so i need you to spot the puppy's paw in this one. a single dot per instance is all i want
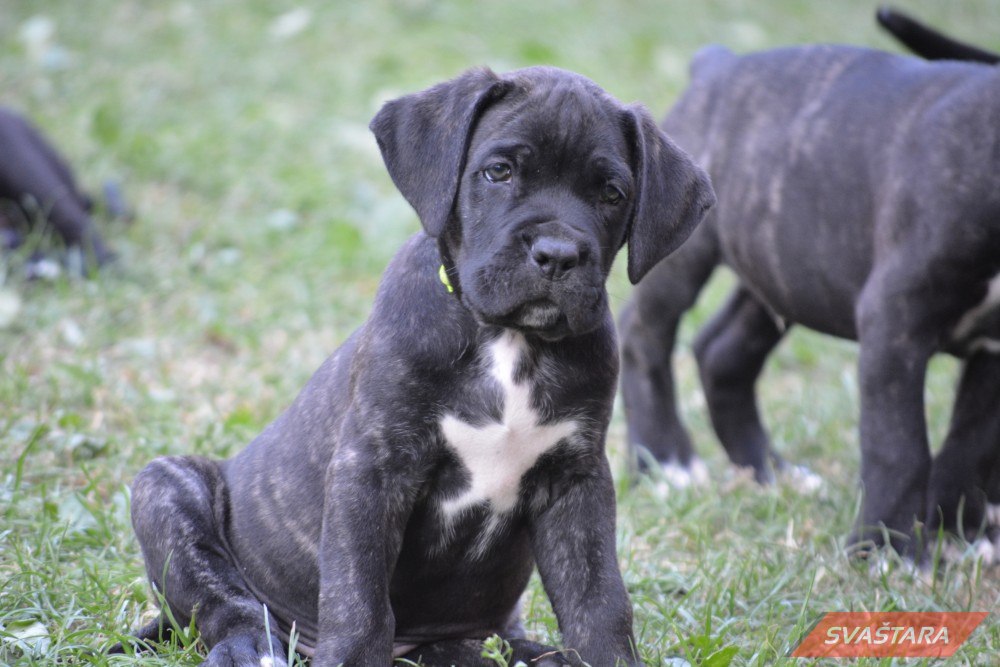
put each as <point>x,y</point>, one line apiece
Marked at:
<point>555,659</point>
<point>992,514</point>
<point>800,478</point>
<point>674,475</point>
<point>533,654</point>
<point>985,549</point>
<point>247,651</point>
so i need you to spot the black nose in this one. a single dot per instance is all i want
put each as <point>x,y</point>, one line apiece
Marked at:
<point>554,257</point>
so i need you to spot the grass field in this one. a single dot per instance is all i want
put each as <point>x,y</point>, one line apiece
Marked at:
<point>264,219</point>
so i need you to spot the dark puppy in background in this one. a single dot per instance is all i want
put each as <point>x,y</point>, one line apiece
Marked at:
<point>456,440</point>
<point>858,196</point>
<point>37,186</point>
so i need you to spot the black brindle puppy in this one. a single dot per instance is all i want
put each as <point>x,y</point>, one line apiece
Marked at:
<point>457,438</point>
<point>858,196</point>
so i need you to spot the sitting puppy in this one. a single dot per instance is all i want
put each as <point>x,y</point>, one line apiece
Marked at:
<point>857,196</point>
<point>36,182</point>
<point>457,438</point>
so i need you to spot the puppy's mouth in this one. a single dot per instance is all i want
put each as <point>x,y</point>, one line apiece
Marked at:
<point>540,317</point>
<point>540,314</point>
<point>546,309</point>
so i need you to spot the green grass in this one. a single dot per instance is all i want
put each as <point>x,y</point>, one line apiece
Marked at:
<point>264,218</point>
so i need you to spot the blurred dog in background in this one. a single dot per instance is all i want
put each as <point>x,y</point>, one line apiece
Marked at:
<point>858,196</point>
<point>38,189</point>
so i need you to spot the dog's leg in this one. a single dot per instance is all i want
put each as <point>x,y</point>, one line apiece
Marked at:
<point>469,653</point>
<point>649,331</point>
<point>897,336</point>
<point>578,565</point>
<point>179,506</point>
<point>731,351</point>
<point>961,470</point>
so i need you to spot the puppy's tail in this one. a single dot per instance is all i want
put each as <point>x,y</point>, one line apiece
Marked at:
<point>927,42</point>
<point>158,630</point>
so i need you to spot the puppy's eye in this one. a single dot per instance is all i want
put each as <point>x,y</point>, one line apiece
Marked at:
<point>611,194</point>
<point>498,172</point>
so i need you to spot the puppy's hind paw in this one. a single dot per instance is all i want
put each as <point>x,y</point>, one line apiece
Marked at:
<point>247,651</point>
<point>554,659</point>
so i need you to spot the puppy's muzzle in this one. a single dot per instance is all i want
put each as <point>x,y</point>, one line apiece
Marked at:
<point>556,257</point>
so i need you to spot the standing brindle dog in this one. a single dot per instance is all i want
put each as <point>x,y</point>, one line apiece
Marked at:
<point>859,195</point>
<point>457,438</point>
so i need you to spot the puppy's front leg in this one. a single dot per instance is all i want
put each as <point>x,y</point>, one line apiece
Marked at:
<point>365,513</point>
<point>574,546</point>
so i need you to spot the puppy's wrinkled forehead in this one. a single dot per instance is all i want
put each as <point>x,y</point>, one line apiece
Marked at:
<point>559,113</point>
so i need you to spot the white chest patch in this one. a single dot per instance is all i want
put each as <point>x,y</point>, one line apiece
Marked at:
<point>498,454</point>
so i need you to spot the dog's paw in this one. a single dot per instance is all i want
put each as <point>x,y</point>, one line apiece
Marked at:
<point>982,549</point>
<point>674,475</point>
<point>992,514</point>
<point>800,478</point>
<point>247,651</point>
<point>556,659</point>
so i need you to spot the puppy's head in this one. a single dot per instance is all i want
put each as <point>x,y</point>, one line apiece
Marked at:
<point>531,182</point>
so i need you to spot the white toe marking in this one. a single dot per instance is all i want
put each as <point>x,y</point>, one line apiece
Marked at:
<point>681,476</point>
<point>675,475</point>
<point>982,549</point>
<point>993,514</point>
<point>802,479</point>
<point>266,661</point>
<point>498,454</point>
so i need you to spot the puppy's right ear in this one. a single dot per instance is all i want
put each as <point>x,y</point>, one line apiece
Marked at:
<point>424,138</point>
<point>673,195</point>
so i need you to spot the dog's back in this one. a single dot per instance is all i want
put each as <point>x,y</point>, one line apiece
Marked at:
<point>809,143</point>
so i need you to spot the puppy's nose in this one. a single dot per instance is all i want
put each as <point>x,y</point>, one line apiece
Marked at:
<point>554,257</point>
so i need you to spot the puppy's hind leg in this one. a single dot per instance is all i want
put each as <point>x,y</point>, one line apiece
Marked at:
<point>649,331</point>
<point>964,471</point>
<point>179,509</point>
<point>731,351</point>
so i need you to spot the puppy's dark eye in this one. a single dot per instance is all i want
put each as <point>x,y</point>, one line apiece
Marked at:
<point>498,172</point>
<point>610,194</point>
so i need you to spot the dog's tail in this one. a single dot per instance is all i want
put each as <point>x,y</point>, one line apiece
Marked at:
<point>929,43</point>
<point>158,630</point>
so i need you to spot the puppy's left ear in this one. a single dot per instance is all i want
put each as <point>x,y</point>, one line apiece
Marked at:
<point>673,195</point>
<point>424,137</point>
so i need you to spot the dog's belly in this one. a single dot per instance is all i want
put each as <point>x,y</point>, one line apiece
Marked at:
<point>805,251</point>
<point>446,584</point>
<point>815,284</point>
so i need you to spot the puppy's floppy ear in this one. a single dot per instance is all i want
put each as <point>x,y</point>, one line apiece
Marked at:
<point>673,195</point>
<point>424,137</point>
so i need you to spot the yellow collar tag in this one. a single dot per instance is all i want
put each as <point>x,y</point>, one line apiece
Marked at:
<point>443,276</point>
